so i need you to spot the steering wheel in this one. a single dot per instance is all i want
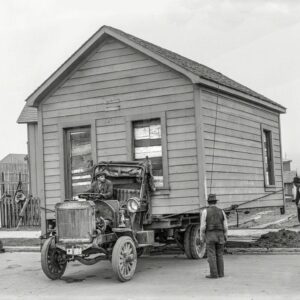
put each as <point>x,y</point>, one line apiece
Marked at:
<point>90,196</point>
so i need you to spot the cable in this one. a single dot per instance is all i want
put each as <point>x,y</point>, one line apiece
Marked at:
<point>214,141</point>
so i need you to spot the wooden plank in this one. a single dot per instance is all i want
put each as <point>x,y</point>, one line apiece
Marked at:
<point>210,110</point>
<point>103,62</point>
<point>210,113</point>
<point>112,53</point>
<point>111,129</point>
<point>182,177</point>
<point>51,150</point>
<point>110,144</point>
<point>181,129</point>
<point>181,137</point>
<point>241,106</point>
<point>125,89</point>
<point>192,184</point>
<point>104,137</point>
<point>233,162</point>
<point>113,83</point>
<point>52,179</point>
<point>182,169</point>
<point>231,124</point>
<point>133,72</point>
<point>182,145</point>
<point>179,161</point>
<point>182,153</point>
<point>115,68</point>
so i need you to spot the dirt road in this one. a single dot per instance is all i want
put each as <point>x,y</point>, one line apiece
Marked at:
<point>160,277</point>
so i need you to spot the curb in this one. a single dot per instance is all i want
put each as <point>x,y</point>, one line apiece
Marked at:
<point>269,251</point>
<point>10,249</point>
<point>237,251</point>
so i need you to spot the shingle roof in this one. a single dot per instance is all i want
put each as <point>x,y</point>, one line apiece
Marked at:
<point>28,115</point>
<point>193,66</point>
<point>288,176</point>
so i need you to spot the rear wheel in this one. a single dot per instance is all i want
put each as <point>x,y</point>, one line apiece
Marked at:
<point>187,242</point>
<point>197,248</point>
<point>124,258</point>
<point>53,260</point>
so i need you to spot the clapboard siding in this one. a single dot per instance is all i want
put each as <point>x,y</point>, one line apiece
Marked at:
<point>116,82</point>
<point>233,150</point>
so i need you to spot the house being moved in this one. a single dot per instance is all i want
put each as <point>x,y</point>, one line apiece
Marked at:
<point>120,98</point>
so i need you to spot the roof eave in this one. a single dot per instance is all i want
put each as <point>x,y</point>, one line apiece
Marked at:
<point>239,94</point>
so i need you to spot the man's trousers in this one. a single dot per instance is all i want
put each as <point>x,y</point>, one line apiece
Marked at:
<point>215,259</point>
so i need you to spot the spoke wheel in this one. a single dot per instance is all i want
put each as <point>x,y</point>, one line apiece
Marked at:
<point>124,258</point>
<point>197,248</point>
<point>53,261</point>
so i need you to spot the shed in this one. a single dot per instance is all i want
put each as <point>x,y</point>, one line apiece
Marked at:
<point>119,98</point>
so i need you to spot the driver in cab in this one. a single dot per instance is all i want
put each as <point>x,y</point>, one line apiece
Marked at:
<point>102,186</point>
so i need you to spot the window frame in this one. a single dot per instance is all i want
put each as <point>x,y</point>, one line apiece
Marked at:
<point>265,128</point>
<point>130,141</point>
<point>63,127</point>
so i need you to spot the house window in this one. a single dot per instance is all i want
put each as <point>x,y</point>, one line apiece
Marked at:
<point>268,157</point>
<point>78,154</point>
<point>147,141</point>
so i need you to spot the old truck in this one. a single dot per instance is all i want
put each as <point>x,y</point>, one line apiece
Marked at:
<point>91,229</point>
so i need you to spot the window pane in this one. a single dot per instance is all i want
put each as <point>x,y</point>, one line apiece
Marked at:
<point>80,159</point>
<point>147,142</point>
<point>268,159</point>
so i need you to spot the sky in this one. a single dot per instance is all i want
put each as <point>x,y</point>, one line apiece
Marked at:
<point>255,42</point>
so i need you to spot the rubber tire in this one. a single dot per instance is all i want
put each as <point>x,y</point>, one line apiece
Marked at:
<point>193,243</point>
<point>116,255</point>
<point>44,261</point>
<point>140,251</point>
<point>187,242</point>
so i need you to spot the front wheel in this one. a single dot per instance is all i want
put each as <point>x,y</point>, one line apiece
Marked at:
<point>53,260</point>
<point>124,258</point>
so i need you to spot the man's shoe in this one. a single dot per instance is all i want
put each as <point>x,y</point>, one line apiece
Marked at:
<point>211,277</point>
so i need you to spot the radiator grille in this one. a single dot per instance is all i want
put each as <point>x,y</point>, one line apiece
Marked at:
<point>75,222</point>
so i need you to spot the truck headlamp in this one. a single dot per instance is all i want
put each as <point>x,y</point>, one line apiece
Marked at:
<point>133,204</point>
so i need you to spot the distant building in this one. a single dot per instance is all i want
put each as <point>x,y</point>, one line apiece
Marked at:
<point>11,167</point>
<point>288,178</point>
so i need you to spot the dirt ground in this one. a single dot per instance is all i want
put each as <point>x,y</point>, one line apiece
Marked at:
<point>266,218</point>
<point>163,277</point>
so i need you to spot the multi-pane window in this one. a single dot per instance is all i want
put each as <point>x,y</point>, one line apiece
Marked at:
<point>268,157</point>
<point>79,160</point>
<point>147,141</point>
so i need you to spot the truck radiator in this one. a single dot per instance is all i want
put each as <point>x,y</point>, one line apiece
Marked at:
<point>124,194</point>
<point>75,221</point>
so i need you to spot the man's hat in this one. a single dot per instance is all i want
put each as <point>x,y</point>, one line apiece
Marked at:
<point>297,179</point>
<point>212,198</point>
<point>100,173</point>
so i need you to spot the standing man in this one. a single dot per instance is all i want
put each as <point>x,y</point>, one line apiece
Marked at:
<point>214,231</point>
<point>102,186</point>
<point>297,200</point>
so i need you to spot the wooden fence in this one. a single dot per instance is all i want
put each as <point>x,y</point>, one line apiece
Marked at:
<point>10,212</point>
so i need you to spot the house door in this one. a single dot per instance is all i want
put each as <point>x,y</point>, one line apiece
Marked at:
<point>78,153</point>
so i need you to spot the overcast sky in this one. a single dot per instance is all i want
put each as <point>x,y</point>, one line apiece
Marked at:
<point>255,42</point>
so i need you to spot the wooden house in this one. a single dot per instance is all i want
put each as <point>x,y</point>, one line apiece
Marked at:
<point>120,98</point>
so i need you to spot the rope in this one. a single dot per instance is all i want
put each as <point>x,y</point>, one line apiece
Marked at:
<point>214,141</point>
<point>232,207</point>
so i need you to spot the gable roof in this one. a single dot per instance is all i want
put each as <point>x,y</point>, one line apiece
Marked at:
<point>198,73</point>
<point>13,158</point>
<point>28,115</point>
